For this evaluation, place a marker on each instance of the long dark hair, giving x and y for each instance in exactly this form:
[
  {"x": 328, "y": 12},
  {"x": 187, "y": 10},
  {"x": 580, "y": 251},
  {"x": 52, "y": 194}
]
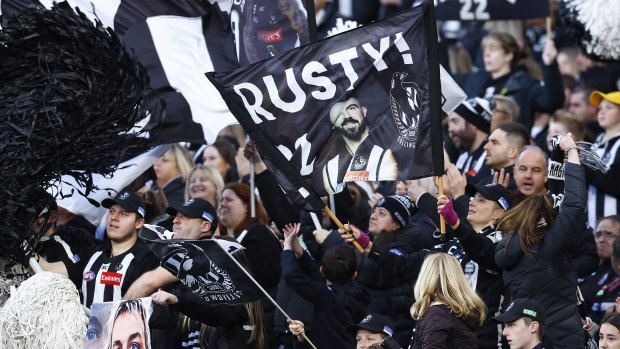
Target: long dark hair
[
  {"x": 243, "y": 192},
  {"x": 532, "y": 219},
  {"x": 254, "y": 310},
  {"x": 612, "y": 319}
]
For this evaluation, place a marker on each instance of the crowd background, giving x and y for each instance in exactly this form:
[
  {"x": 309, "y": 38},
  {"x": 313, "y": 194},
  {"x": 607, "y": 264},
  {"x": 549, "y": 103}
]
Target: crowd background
[{"x": 498, "y": 170}]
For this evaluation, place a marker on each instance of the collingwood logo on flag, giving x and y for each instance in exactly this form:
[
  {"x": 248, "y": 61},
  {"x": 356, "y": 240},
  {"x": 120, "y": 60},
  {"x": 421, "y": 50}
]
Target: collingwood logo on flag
[
  {"x": 208, "y": 268},
  {"x": 406, "y": 103}
]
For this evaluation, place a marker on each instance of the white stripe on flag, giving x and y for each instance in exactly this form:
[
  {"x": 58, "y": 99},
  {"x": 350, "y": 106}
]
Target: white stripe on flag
[
  {"x": 104, "y": 10},
  {"x": 183, "y": 53},
  {"x": 129, "y": 170}
]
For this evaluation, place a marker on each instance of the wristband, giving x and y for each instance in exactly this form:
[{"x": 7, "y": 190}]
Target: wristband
[
  {"x": 448, "y": 213},
  {"x": 363, "y": 239}
]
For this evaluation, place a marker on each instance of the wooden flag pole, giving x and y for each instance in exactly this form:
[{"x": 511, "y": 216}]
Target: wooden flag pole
[
  {"x": 548, "y": 28},
  {"x": 252, "y": 185},
  {"x": 442, "y": 222},
  {"x": 264, "y": 292},
  {"x": 339, "y": 224}
]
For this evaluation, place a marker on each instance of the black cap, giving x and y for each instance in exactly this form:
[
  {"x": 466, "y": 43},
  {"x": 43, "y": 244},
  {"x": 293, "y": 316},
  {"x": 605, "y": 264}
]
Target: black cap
[
  {"x": 129, "y": 201},
  {"x": 492, "y": 191},
  {"x": 196, "y": 208},
  {"x": 399, "y": 206},
  {"x": 477, "y": 111},
  {"x": 375, "y": 323},
  {"x": 522, "y": 307}
]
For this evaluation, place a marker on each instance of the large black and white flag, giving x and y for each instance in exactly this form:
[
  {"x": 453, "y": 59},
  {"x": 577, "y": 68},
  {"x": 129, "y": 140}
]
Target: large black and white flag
[
  {"x": 484, "y": 10},
  {"x": 177, "y": 41},
  {"x": 364, "y": 105},
  {"x": 208, "y": 268}
]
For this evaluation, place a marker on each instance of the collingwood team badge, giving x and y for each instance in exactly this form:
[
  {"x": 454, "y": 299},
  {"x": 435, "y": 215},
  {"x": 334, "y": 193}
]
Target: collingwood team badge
[{"x": 405, "y": 103}]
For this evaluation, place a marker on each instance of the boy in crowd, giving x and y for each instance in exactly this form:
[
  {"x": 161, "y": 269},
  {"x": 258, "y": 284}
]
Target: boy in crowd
[{"x": 337, "y": 302}]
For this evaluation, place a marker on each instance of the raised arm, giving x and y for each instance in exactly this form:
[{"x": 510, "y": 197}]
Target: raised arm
[{"x": 149, "y": 282}]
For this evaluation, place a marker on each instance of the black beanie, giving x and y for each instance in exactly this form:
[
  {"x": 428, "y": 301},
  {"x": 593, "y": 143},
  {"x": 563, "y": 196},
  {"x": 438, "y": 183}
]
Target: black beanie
[
  {"x": 477, "y": 111},
  {"x": 399, "y": 206}
]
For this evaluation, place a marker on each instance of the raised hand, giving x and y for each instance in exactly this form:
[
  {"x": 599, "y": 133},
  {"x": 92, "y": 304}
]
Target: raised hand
[
  {"x": 291, "y": 239},
  {"x": 502, "y": 178},
  {"x": 446, "y": 209},
  {"x": 164, "y": 298}
]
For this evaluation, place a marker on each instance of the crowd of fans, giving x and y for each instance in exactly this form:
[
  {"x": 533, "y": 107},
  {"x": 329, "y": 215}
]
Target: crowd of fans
[{"x": 513, "y": 269}]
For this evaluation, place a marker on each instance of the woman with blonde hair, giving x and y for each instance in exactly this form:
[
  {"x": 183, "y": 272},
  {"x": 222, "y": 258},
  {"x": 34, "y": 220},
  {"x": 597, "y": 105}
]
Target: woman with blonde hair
[
  {"x": 448, "y": 311},
  {"x": 204, "y": 182},
  {"x": 172, "y": 170}
]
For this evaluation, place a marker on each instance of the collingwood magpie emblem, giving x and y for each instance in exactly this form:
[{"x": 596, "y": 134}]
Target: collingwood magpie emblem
[
  {"x": 360, "y": 162},
  {"x": 199, "y": 273},
  {"x": 405, "y": 103}
]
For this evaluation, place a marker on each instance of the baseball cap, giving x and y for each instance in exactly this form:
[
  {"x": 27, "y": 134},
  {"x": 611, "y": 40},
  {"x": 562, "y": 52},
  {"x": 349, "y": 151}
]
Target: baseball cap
[
  {"x": 597, "y": 96},
  {"x": 477, "y": 111},
  {"x": 399, "y": 206},
  {"x": 522, "y": 307},
  {"x": 492, "y": 191},
  {"x": 196, "y": 208},
  {"x": 375, "y": 323},
  {"x": 129, "y": 201}
]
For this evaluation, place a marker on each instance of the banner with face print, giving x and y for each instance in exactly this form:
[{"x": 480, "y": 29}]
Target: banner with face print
[
  {"x": 364, "y": 105},
  {"x": 120, "y": 324},
  {"x": 209, "y": 268}
]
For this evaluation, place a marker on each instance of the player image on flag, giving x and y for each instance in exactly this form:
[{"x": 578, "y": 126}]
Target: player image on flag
[{"x": 354, "y": 107}]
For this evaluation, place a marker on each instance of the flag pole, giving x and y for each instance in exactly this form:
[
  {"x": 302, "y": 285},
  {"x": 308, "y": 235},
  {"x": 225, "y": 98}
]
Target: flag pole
[
  {"x": 263, "y": 291},
  {"x": 442, "y": 222},
  {"x": 549, "y": 28},
  {"x": 252, "y": 185},
  {"x": 339, "y": 224}
]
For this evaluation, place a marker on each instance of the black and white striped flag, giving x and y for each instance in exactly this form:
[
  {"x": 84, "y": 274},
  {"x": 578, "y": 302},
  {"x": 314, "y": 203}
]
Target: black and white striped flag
[{"x": 177, "y": 41}]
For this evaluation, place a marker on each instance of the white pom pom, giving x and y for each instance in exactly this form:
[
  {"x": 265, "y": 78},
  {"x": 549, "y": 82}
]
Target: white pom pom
[{"x": 601, "y": 19}]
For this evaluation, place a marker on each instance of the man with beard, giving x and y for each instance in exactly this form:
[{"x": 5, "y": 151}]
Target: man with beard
[
  {"x": 363, "y": 161},
  {"x": 468, "y": 127}
]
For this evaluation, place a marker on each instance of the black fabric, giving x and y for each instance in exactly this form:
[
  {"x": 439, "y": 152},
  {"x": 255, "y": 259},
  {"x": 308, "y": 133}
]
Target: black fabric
[
  {"x": 277, "y": 205},
  {"x": 335, "y": 306},
  {"x": 262, "y": 249},
  {"x": 175, "y": 192},
  {"x": 550, "y": 277},
  {"x": 333, "y": 22},
  {"x": 493, "y": 10},
  {"x": 592, "y": 283}
]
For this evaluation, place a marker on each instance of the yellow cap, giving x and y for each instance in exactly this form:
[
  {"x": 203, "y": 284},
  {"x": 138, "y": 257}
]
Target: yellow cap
[{"x": 596, "y": 96}]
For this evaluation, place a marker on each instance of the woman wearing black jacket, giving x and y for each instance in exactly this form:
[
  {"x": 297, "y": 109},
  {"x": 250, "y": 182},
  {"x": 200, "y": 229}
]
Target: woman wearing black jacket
[
  {"x": 535, "y": 253},
  {"x": 504, "y": 75}
]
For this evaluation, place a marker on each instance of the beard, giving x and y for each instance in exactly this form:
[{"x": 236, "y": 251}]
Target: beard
[{"x": 352, "y": 129}]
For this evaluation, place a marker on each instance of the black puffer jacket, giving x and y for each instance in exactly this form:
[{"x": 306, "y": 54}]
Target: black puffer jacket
[
  {"x": 530, "y": 94},
  {"x": 550, "y": 277},
  {"x": 440, "y": 329}
]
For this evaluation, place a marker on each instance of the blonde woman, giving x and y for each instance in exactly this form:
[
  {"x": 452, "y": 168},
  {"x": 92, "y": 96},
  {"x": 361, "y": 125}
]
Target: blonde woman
[
  {"x": 172, "y": 170},
  {"x": 204, "y": 182},
  {"x": 448, "y": 311}
]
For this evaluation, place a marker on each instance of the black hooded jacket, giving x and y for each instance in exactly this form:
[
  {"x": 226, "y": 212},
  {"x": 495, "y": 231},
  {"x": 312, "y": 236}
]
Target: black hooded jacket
[{"x": 550, "y": 277}]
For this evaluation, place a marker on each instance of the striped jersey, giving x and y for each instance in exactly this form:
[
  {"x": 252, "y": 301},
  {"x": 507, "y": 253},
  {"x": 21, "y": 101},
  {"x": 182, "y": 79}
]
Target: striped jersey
[
  {"x": 604, "y": 188},
  {"x": 101, "y": 278}
]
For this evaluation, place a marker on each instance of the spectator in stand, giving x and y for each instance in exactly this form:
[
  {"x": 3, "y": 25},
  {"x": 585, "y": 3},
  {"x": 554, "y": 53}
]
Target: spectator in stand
[
  {"x": 530, "y": 172},
  {"x": 581, "y": 107},
  {"x": 603, "y": 188},
  {"x": 504, "y": 75},
  {"x": 535, "y": 253},
  {"x": 503, "y": 147},
  {"x": 337, "y": 300},
  {"x": 524, "y": 322},
  {"x": 221, "y": 156},
  {"x": 609, "y": 334},
  {"x": 468, "y": 128},
  {"x": 262, "y": 246},
  {"x": 172, "y": 170},
  {"x": 608, "y": 293},
  {"x": 205, "y": 325},
  {"x": 506, "y": 110},
  {"x": 570, "y": 83},
  {"x": 561, "y": 123},
  {"x": 205, "y": 182},
  {"x": 447, "y": 310},
  {"x": 374, "y": 329},
  {"x": 567, "y": 61}
]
